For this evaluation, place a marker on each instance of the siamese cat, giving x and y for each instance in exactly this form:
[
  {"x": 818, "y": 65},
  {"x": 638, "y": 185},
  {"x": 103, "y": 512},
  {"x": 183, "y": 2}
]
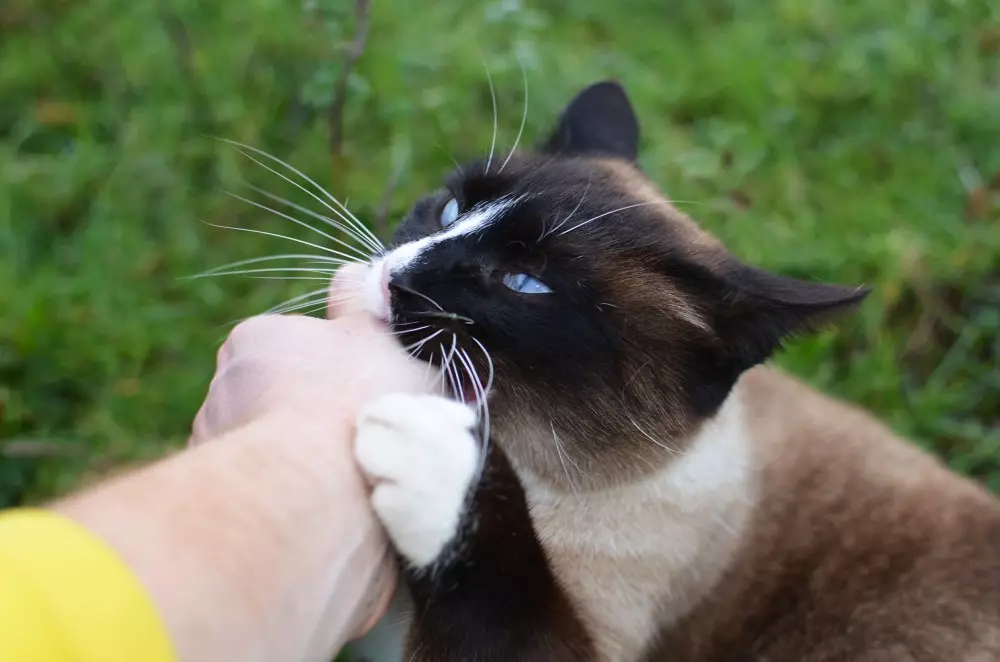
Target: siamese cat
[{"x": 615, "y": 475}]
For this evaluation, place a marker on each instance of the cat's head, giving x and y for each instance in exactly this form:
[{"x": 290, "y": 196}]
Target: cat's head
[{"x": 613, "y": 324}]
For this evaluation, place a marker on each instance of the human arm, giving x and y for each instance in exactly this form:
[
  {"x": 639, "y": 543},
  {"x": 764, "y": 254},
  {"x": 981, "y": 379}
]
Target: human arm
[{"x": 260, "y": 545}]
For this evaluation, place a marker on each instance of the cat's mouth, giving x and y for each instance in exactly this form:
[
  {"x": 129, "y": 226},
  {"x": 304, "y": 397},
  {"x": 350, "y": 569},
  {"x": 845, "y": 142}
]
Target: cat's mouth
[{"x": 441, "y": 349}]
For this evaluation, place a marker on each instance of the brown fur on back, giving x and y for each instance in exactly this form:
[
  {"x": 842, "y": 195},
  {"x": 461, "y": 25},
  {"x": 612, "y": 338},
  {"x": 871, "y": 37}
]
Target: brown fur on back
[{"x": 861, "y": 547}]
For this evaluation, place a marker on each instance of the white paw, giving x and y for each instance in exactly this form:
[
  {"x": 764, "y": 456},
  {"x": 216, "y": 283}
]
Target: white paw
[{"x": 419, "y": 454}]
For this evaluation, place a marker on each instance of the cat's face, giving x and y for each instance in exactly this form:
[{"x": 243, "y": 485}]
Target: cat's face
[{"x": 612, "y": 324}]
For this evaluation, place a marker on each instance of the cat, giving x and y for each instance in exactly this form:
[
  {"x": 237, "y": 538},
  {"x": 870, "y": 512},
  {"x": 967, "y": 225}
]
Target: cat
[{"x": 648, "y": 489}]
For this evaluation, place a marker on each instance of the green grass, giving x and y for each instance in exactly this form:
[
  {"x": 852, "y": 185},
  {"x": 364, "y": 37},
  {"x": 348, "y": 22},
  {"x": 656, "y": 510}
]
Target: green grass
[{"x": 847, "y": 141}]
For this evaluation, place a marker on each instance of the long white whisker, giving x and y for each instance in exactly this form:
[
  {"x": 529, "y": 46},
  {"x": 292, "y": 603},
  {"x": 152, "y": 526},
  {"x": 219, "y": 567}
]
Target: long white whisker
[
  {"x": 353, "y": 222},
  {"x": 324, "y": 278},
  {"x": 426, "y": 298},
  {"x": 524, "y": 117},
  {"x": 287, "y": 256},
  {"x": 489, "y": 360},
  {"x": 359, "y": 225},
  {"x": 349, "y": 231},
  {"x": 493, "y": 98},
  {"x": 415, "y": 348},
  {"x": 324, "y": 301},
  {"x": 447, "y": 368},
  {"x": 324, "y": 291},
  {"x": 279, "y": 236},
  {"x": 670, "y": 450},
  {"x": 613, "y": 211},
  {"x": 482, "y": 406},
  {"x": 357, "y": 256},
  {"x": 560, "y": 452},
  {"x": 238, "y": 272}
]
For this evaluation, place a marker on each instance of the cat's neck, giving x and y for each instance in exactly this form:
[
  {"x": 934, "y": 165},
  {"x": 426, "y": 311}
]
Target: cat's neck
[{"x": 660, "y": 543}]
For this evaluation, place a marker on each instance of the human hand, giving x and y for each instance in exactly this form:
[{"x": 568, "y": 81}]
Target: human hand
[
  {"x": 313, "y": 372},
  {"x": 312, "y": 376}
]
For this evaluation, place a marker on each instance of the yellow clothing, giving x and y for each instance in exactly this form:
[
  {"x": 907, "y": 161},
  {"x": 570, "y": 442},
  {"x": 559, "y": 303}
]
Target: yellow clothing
[{"x": 66, "y": 596}]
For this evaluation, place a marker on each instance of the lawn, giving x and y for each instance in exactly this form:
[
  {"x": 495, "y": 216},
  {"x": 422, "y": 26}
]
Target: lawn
[{"x": 856, "y": 142}]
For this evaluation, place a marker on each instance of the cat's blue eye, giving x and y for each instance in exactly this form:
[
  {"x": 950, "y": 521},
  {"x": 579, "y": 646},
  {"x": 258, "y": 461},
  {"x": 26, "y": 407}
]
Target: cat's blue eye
[
  {"x": 525, "y": 284},
  {"x": 450, "y": 213}
]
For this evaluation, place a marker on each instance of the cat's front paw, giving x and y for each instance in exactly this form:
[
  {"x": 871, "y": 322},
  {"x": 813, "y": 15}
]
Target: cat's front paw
[{"x": 420, "y": 454}]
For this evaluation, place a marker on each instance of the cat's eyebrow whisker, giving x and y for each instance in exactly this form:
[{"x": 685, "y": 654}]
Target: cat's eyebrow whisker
[
  {"x": 348, "y": 230},
  {"x": 353, "y": 220},
  {"x": 524, "y": 117},
  {"x": 613, "y": 211},
  {"x": 579, "y": 203},
  {"x": 358, "y": 254},
  {"x": 493, "y": 98}
]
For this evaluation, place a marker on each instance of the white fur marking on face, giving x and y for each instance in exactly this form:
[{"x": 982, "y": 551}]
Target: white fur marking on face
[
  {"x": 419, "y": 453},
  {"x": 469, "y": 222}
]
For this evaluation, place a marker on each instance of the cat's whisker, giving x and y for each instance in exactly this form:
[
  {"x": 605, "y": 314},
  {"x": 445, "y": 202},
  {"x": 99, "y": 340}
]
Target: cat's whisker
[
  {"x": 482, "y": 407},
  {"x": 446, "y": 362},
  {"x": 351, "y": 219},
  {"x": 421, "y": 295},
  {"x": 349, "y": 231},
  {"x": 415, "y": 348},
  {"x": 240, "y": 272},
  {"x": 579, "y": 203},
  {"x": 280, "y": 236},
  {"x": 326, "y": 278},
  {"x": 524, "y": 117},
  {"x": 493, "y": 98},
  {"x": 489, "y": 361},
  {"x": 672, "y": 451},
  {"x": 302, "y": 305},
  {"x": 613, "y": 211},
  {"x": 563, "y": 455},
  {"x": 399, "y": 332},
  {"x": 357, "y": 253},
  {"x": 322, "y": 259},
  {"x": 444, "y": 315},
  {"x": 324, "y": 291}
]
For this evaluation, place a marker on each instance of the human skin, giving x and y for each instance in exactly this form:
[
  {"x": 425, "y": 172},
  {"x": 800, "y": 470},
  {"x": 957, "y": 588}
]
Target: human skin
[{"x": 258, "y": 542}]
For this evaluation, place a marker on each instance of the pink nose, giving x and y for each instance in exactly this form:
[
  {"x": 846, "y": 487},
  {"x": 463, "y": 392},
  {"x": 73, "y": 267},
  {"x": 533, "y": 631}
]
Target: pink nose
[{"x": 346, "y": 294}]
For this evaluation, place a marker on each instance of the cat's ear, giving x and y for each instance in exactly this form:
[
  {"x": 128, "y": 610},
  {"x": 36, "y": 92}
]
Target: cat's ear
[
  {"x": 758, "y": 310},
  {"x": 598, "y": 121}
]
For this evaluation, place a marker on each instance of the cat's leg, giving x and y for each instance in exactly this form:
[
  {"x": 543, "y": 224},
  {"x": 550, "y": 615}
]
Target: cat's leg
[{"x": 481, "y": 584}]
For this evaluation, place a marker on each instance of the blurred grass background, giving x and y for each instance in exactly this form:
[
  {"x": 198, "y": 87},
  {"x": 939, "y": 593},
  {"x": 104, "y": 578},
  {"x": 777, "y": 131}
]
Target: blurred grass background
[{"x": 856, "y": 142}]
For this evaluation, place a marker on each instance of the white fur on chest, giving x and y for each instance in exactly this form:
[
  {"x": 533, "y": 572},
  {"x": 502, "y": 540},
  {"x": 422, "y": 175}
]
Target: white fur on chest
[{"x": 639, "y": 556}]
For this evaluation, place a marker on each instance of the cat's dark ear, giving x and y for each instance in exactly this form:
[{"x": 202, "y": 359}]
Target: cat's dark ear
[
  {"x": 758, "y": 310},
  {"x": 599, "y": 121}
]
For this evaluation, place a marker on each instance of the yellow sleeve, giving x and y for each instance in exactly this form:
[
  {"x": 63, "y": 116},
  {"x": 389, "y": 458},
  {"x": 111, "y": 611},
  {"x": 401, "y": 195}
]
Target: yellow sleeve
[{"x": 66, "y": 596}]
